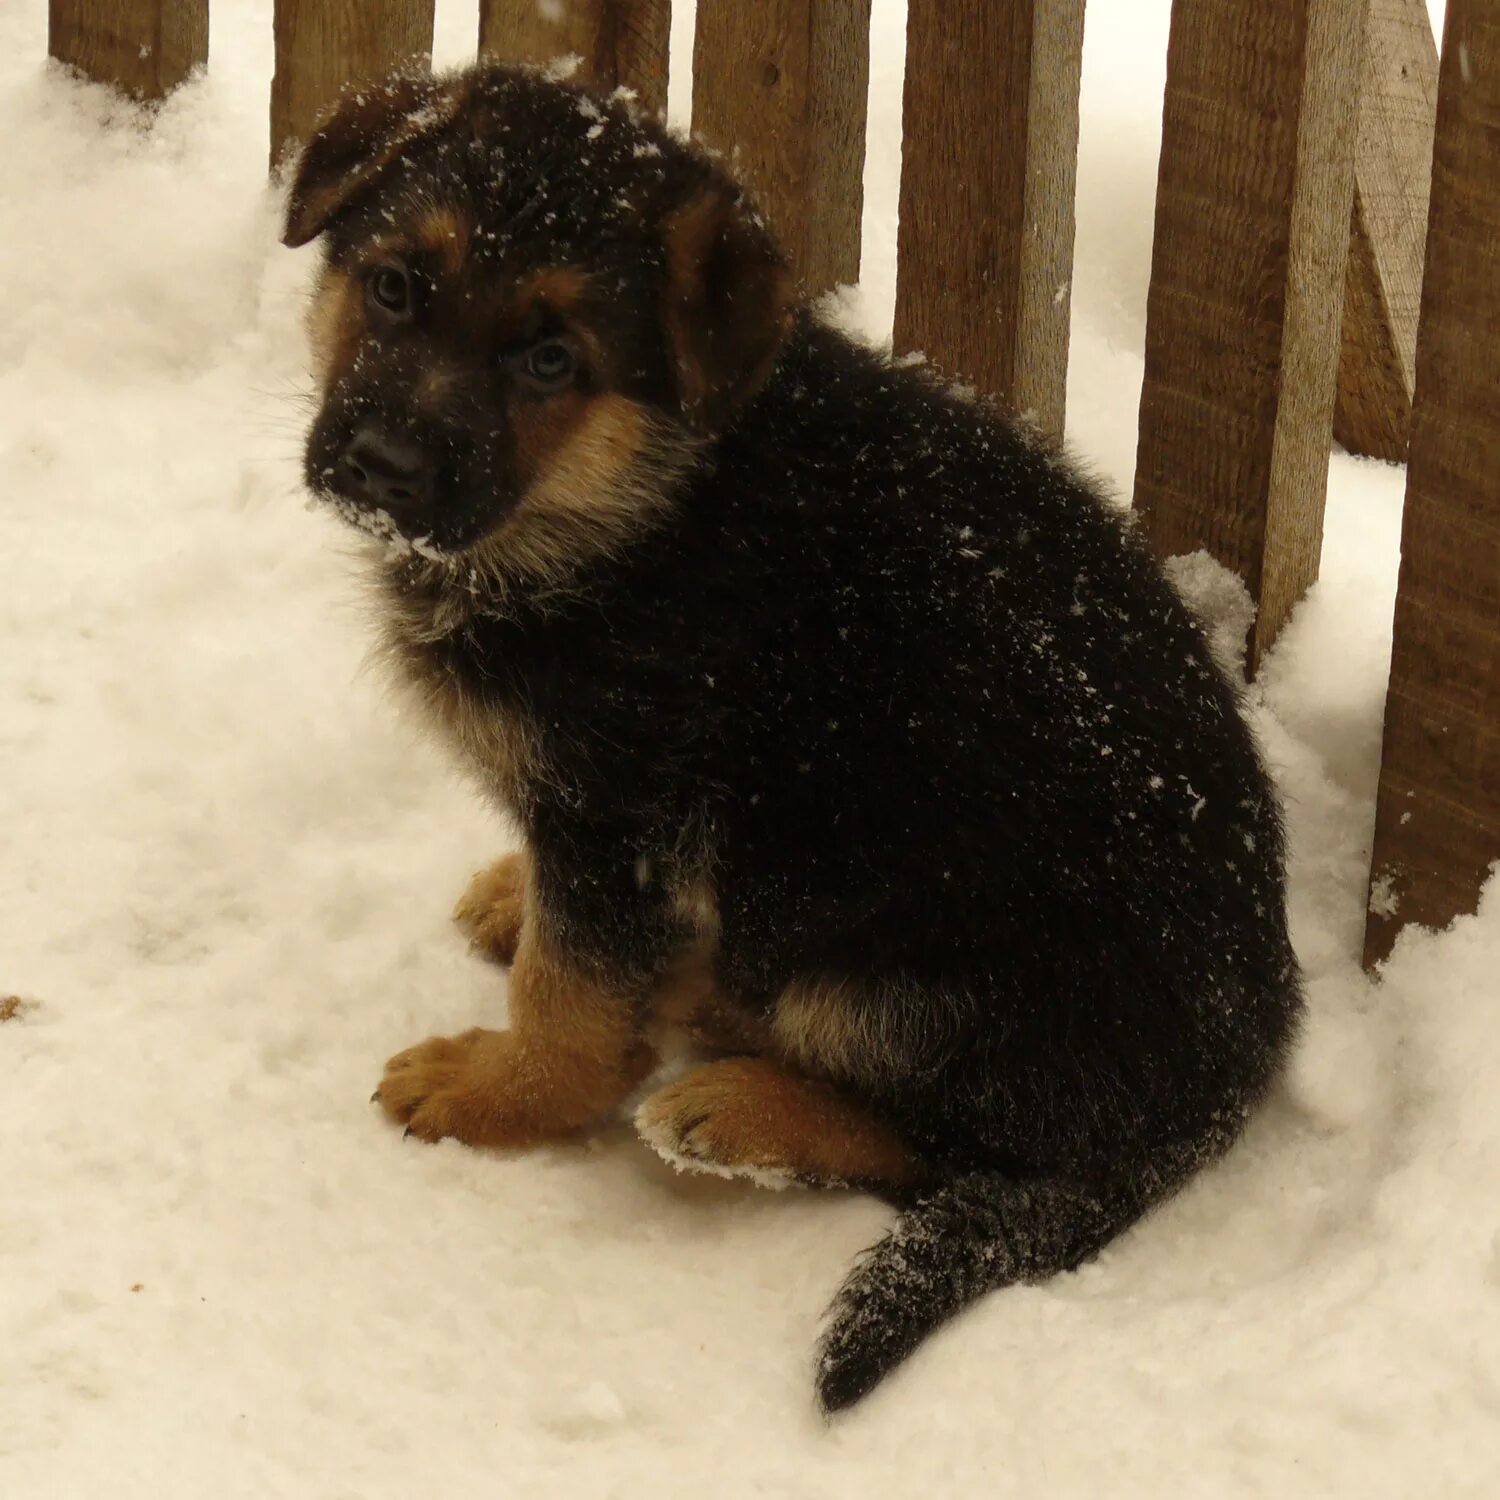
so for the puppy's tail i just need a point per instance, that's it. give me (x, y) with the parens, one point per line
(962, 1239)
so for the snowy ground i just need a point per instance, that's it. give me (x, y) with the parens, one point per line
(223, 902)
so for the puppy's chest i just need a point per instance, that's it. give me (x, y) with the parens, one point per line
(587, 712)
(479, 715)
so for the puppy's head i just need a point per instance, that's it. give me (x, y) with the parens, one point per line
(533, 304)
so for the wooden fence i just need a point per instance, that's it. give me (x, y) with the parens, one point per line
(1313, 157)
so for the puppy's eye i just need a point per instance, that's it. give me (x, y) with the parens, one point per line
(550, 364)
(389, 288)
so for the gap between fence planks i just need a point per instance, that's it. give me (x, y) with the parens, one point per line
(1388, 233)
(1437, 826)
(324, 45)
(780, 87)
(143, 47)
(1253, 206)
(619, 43)
(989, 162)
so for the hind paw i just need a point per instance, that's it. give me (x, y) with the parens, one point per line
(750, 1117)
(699, 1124)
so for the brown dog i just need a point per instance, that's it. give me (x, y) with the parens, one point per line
(849, 733)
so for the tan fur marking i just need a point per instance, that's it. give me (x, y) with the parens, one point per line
(696, 903)
(817, 1026)
(839, 1030)
(445, 232)
(544, 430)
(687, 1001)
(749, 1115)
(593, 489)
(435, 384)
(686, 236)
(334, 324)
(572, 1053)
(586, 472)
(711, 353)
(498, 745)
(11, 1007)
(492, 908)
(559, 287)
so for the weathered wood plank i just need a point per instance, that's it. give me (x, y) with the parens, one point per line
(1392, 180)
(1254, 199)
(781, 87)
(617, 42)
(145, 48)
(1437, 823)
(324, 45)
(989, 163)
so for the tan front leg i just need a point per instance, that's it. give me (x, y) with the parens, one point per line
(750, 1117)
(572, 1053)
(493, 907)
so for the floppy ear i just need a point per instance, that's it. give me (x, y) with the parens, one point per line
(356, 143)
(728, 304)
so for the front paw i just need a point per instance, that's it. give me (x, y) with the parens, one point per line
(492, 909)
(456, 1086)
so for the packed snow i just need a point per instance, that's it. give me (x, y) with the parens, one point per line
(224, 902)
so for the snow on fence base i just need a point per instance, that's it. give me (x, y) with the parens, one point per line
(144, 48)
(1438, 812)
(1262, 175)
(1253, 201)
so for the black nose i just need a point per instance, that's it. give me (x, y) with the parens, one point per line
(387, 471)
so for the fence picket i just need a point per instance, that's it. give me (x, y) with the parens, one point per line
(1392, 179)
(1253, 207)
(1437, 823)
(780, 86)
(323, 45)
(617, 42)
(989, 161)
(143, 47)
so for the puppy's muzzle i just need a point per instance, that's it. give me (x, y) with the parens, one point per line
(388, 473)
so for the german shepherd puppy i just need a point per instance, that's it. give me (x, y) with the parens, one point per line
(849, 731)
